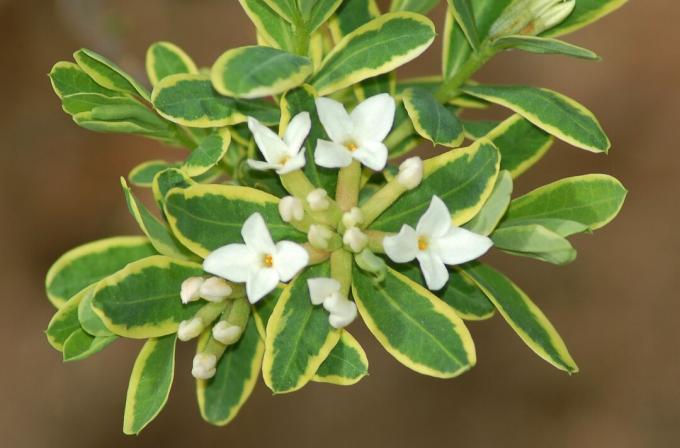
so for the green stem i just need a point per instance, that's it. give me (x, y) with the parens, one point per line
(341, 270)
(381, 201)
(450, 88)
(349, 181)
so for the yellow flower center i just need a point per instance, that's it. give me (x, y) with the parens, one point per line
(423, 243)
(283, 160)
(268, 261)
(351, 146)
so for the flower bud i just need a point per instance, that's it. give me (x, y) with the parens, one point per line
(342, 310)
(553, 16)
(410, 173)
(190, 329)
(318, 200)
(319, 236)
(355, 239)
(204, 366)
(215, 289)
(190, 290)
(353, 218)
(291, 209)
(226, 333)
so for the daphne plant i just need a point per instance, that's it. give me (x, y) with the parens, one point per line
(300, 207)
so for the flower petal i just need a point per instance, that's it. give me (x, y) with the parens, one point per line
(434, 270)
(256, 235)
(460, 246)
(403, 247)
(263, 166)
(335, 120)
(297, 131)
(233, 262)
(271, 146)
(372, 155)
(373, 118)
(331, 155)
(295, 163)
(260, 283)
(436, 221)
(322, 288)
(289, 259)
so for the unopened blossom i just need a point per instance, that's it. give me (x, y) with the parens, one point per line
(215, 289)
(191, 289)
(259, 263)
(410, 173)
(356, 136)
(318, 200)
(355, 239)
(436, 243)
(353, 218)
(204, 366)
(281, 154)
(291, 209)
(190, 329)
(226, 333)
(326, 291)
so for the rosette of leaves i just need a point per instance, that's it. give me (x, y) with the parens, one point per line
(129, 287)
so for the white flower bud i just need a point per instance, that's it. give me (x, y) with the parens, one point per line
(318, 200)
(342, 311)
(215, 289)
(553, 16)
(353, 218)
(291, 209)
(410, 173)
(226, 333)
(190, 329)
(190, 289)
(204, 366)
(319, 236)
(355, 239)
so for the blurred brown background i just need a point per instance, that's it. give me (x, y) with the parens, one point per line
(616, 306)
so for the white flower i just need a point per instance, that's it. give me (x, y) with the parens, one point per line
(190, 329)
(215, 290)
(318, 200)
(355, 239)
(358, 135)
(226, 333)
(190, 290)
(353, 218)
(204, 366)
(326, 291)
(319, 236)
(435, 242)
(283, 155)
(259, 263)
(291, 209)
(410, 173)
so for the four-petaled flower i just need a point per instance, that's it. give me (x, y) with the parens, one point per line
(259, 263)
(435, 242)
(281, 154)
(358, 135)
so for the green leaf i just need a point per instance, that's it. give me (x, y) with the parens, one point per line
(191, 100)
(375, 48)
(461, 294)
(351, 15)
(164, 59)
(76, 103)
(346, 365)
(419, 6)
(221, 397)
(585, 13)
(273, 28)
(159, 235)
(142, 300)
(120, 115)
(299, 337)
(69, 79)
(462, 12)
(495, 207)
(462, 178)
(534, 241)
(413, 325)
(107, 74)
(143, 174)
(256, 71)
(65, 321)
(542, 45)
(207, 217)
(89, 320)
(81, 345)
(208, 153)
(168, 179)
(523, 316)
(150, 383)
(551, 111)
(303, 100)
(318, 12)
(285, 8)
(432, 120)
(87, 264)
(593, 200)
(520, 143)
(479, 128)
(264, 308)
